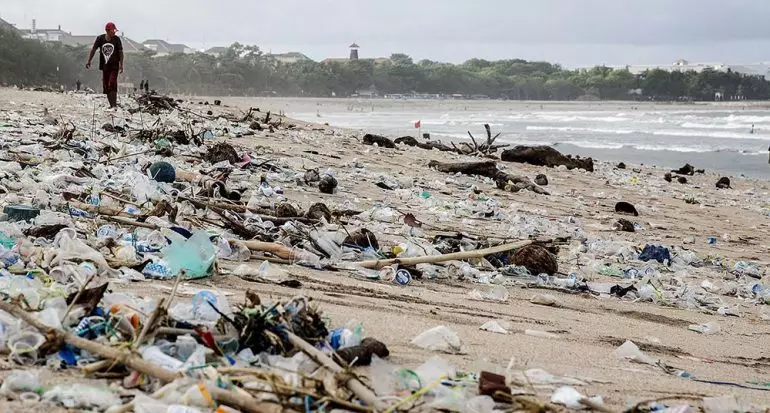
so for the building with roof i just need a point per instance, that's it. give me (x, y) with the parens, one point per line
(43, 35)
(288, 58)
(681, 65)
(4, 25)
(216, 51)
(163, 48)
(354, 48)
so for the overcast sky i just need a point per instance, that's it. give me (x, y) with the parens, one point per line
(571, 32)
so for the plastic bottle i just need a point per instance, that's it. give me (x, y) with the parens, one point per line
(185, 346)
(154, 355)
(564, 282)
(201, 304)
(468, 271)
(341, 338)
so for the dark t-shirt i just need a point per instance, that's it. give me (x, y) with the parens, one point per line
(109, 52)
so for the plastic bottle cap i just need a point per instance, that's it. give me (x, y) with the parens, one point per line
(403, 277)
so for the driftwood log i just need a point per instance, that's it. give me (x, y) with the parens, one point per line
(430, 145)
(488, 147)
(381, 141)
(464, 148)
(504, 181)
(545, 156)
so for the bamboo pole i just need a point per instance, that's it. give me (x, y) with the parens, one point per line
(430, 259)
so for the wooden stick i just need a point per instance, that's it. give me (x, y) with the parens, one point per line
(124, 356)
(130, 155)
(96, 366)
(278, 250)
(117, 198)
(236, 400)
(159, 311)
(130, 222)
(430, 259)
(180, 332)
(353, 384)
(243, 208)
(101, 210)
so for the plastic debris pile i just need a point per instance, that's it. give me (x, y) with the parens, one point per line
(85, 209)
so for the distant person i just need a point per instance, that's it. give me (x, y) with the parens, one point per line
(752, 129)
(78, 85)
(141, 86)
(147, 87)
(110, 61)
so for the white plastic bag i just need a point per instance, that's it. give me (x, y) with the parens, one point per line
(440, 338)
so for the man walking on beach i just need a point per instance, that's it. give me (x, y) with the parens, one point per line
(110, 61)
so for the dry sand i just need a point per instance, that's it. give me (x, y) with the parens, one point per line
(588, 329)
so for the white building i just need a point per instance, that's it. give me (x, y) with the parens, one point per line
(163, 48)
(681, 65)
(43, 35)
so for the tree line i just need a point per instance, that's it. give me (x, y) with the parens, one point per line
(246, 71)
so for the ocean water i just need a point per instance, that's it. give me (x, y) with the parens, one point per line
(717, 137)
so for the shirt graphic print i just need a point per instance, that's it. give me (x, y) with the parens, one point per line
(108, 49)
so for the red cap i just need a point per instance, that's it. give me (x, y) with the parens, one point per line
(111, 26)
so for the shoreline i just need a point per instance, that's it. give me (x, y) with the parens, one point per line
(584, 331)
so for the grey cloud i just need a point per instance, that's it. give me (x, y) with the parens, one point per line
(568, 31)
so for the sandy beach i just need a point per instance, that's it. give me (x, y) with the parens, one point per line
(584, 330)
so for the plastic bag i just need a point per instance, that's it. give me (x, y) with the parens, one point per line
(440, 338)
(570, 398)
(195, 256)
(630, 351)
(493, 293)
(82, 396)
(20, 381)
(494, 326)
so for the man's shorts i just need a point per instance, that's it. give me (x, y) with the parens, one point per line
(110, 81)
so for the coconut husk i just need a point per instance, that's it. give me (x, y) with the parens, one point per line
(537, 259)
(222, 152)
(687, 169)
(319, 211)
(286, 210)
(626, 208)
(362, 238)
(362, 354)
(625, 225)
(327, 184)
(723, 183)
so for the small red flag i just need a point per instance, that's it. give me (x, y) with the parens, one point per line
(417, 124)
